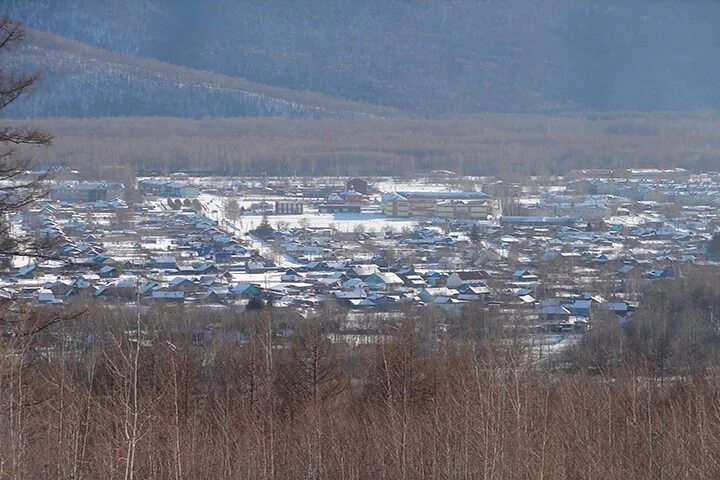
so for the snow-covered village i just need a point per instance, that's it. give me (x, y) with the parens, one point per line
(359, 240)
(552, 254)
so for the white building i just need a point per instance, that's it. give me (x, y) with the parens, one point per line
(471, 205)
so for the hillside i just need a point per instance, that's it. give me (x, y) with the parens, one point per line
(79, 80)
(424, 57)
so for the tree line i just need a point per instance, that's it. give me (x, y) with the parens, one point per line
(509, 146)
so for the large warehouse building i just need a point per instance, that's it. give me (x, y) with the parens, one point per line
(470, 205)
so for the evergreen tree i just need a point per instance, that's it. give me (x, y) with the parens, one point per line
(232, 210)
(264, 229)
(474, 233)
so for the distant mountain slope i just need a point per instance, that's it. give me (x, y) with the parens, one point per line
(423, 57)
(420, 56)
(79, 80)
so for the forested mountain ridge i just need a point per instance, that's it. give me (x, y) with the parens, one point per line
(427, 58)
(79, 80)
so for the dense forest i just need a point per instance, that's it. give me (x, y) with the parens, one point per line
(180, 393)
(510, 146)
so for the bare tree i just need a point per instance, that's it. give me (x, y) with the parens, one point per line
(17, 189)
(311, 373)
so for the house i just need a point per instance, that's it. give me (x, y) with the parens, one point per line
(47, 297)
(358, 185)
(124, 289)
(343, 265)
(98, 260)
(221, 240)
(52, 267)
(383, 300)
(626, 269)
(163, 263)
(182, 284)
(361, 303)
(414, 280)
(313, 266)
(108, 272)
(328, 283)
(206, 268)
(527, 299)
(580, 308)
(291, 275)
(146, 288)
(659, 274)
(334, 199)
(353, 284)
(58, 288)
(133, 265)
(431, 294)
(79, 286)
(466, 277)
(217, 296)
(520, 292)
(246, 290)
(28, 271)
(383, 281)
(474, 289)
(470, 296)
(362, 271)
(48, 209)
(524, 275)
(620, 309)
(259, 267)
(351, 196)
(168, 296)
(436, 278)
(211, 281)
(350, 294)
(554, 312)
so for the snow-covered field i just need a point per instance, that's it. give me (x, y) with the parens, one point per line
(372, 220)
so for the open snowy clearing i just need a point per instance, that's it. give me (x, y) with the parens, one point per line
(342, 222)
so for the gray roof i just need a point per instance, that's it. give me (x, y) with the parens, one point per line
(445, 195)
